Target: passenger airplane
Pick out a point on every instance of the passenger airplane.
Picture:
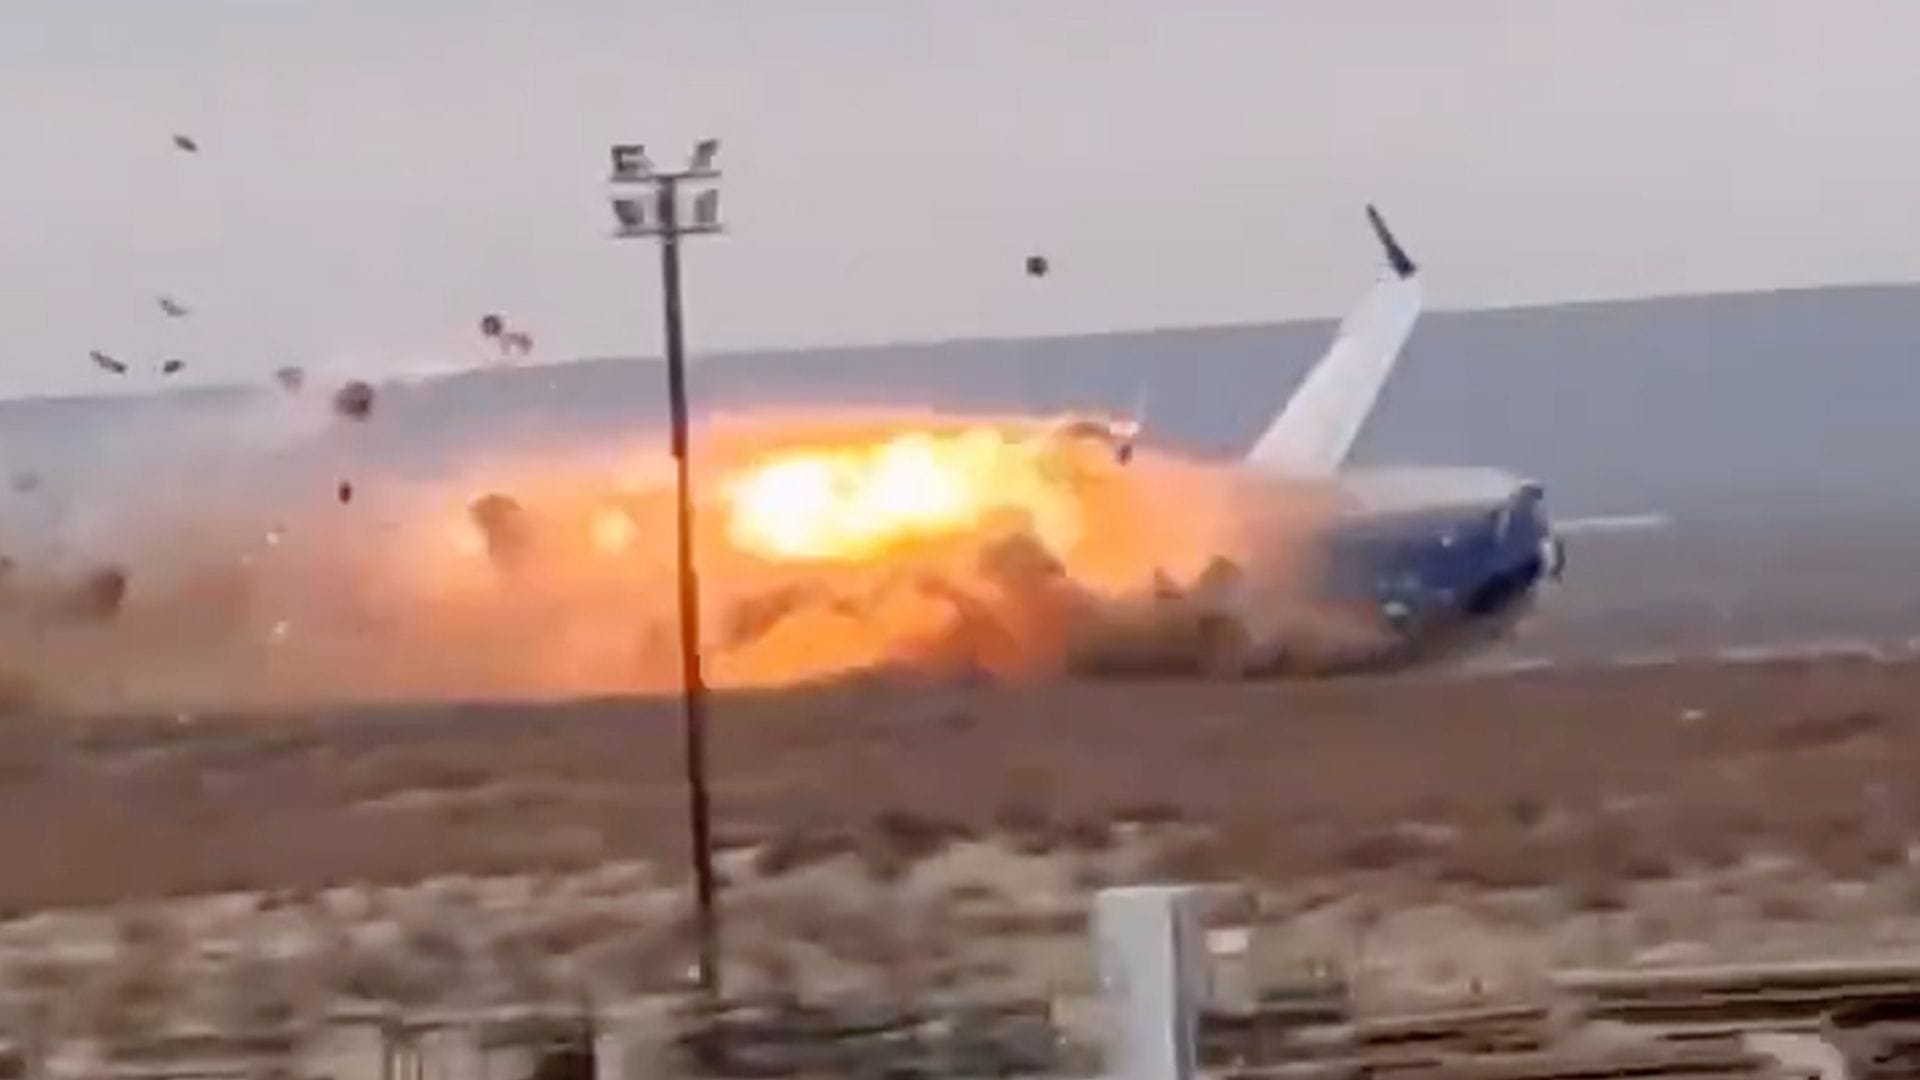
(1435, 559)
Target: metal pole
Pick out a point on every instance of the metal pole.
(693, 684)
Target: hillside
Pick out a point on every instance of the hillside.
(1789, 399)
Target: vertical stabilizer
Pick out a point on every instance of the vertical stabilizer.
(1317, 428)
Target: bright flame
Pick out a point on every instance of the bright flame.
(854, 503)
(1008, 546)
(612, 531)
(467, 540)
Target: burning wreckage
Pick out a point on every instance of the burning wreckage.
(827, 546)
(995, 548)
(949, 547)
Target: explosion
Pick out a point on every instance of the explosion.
(825, 546)
(859, 503)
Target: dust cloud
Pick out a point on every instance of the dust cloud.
(193, 563)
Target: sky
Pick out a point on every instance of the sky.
(377, 174)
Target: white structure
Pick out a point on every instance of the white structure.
(1152, 962)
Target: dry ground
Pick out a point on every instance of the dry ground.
(1590, 778)
(1434, 837)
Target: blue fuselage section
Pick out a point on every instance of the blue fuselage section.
(1440, 577)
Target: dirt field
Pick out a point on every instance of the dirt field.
(1433, 838)
(1585, 778)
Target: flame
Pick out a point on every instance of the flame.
(612, 531)
(825, 545)
(466, 540)
(862, 502)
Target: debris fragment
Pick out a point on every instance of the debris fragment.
(187, 143)
(344, 492)
(107, 363)
(174, 309)
(511, 342)
(354, 400)
(504, 524)
(99, 597)
(291, 378)
(172, 367)
(1037, 266)
(25, 481)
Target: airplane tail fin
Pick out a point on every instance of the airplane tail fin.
(1317, 428)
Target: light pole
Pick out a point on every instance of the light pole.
(657, 214)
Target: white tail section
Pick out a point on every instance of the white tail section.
(1317, 428)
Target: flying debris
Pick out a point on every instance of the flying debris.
(354, 400)
(1121, 433)
(107, 363)
(174, 309)
(1037, 266)
(291, 379)
(25, 482)
(172, 367)
(1127, 432)
(511, 342)
(186, 142)
(505, 526)
(344, 492)
(97, 598)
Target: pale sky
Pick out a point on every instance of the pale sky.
(376, 174)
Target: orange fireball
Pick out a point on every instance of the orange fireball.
(860, 502)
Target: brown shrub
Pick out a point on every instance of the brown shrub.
(1786, 901)
(1823, 730)
(1084, 834)
(1149, 813)
(258, 992)
(1498, 856)
(1847, 849)
(1188, 855)
(913, 836)
(1022, 816)
(1614, 847)
(1387, 848)
(800, 846)
(1596, 890)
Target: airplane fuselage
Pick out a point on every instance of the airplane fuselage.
(1414, 566)
(1442, 559)
(1418, 562)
